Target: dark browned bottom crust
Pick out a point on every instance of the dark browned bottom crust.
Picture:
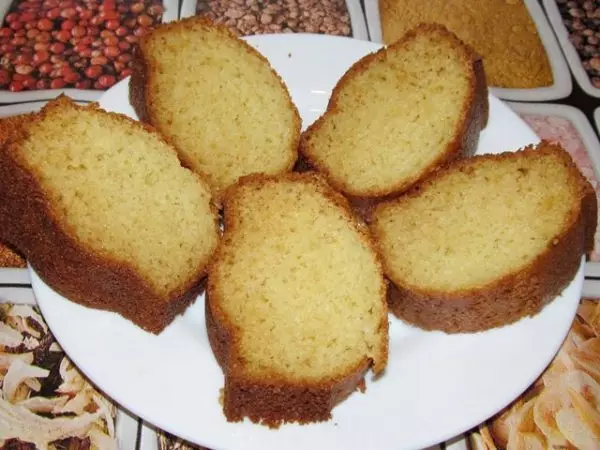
(137, 86)
(274, 402)
(102, 288)
(509, 299)
(28, 224)
(149, 313)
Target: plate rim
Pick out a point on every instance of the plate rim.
(373, 46)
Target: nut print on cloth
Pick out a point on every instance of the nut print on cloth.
(582, 20)
(247, 17)
(45, 403)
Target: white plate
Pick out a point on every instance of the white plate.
(357, 20)
(562, 85)
(435, 387)
(571, 54)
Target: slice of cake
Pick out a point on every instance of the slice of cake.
(102, 209)
(398, 114)
(488, 240)
(11, 124)
(296, 308)
(217, 99)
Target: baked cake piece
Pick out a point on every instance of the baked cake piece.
(296, 302)
(10, 125)
(102, 209)
(501, 31)
(217, 99)
(488, 240)
(398, 114)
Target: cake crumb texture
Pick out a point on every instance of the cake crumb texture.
(501, 31)
(487, 240)
(101, 207)
(296, 308)
(399, 113)
(217, 99)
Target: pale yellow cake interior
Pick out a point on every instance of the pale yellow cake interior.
(300, 285)
(395, 118)
(222, 106)
(123, 193)
(472, 227)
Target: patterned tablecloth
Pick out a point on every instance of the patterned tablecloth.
(47, 46)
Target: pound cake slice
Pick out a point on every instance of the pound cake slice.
(398, 114)
(217, 99)
(10, 125)
(102, 209)
(487, 240)
(296, 308)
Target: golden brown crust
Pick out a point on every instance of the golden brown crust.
(137, 85)
(504, 302)
(513, 296)
(589, 206)
(12, 124)
(465, 140)
(9, 126)
(28, 223)
(141, 97)
(273, 400)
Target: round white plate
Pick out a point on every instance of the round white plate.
(435, 387)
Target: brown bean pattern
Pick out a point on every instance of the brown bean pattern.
(582, 20)
(279, 16)
(83, 44)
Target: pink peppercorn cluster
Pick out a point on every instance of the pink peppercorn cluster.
(82, 44)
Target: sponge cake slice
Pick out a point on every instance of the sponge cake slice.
(296, 309)
(488, 240)
(217, 99)
(400, 113)
(101, 207)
